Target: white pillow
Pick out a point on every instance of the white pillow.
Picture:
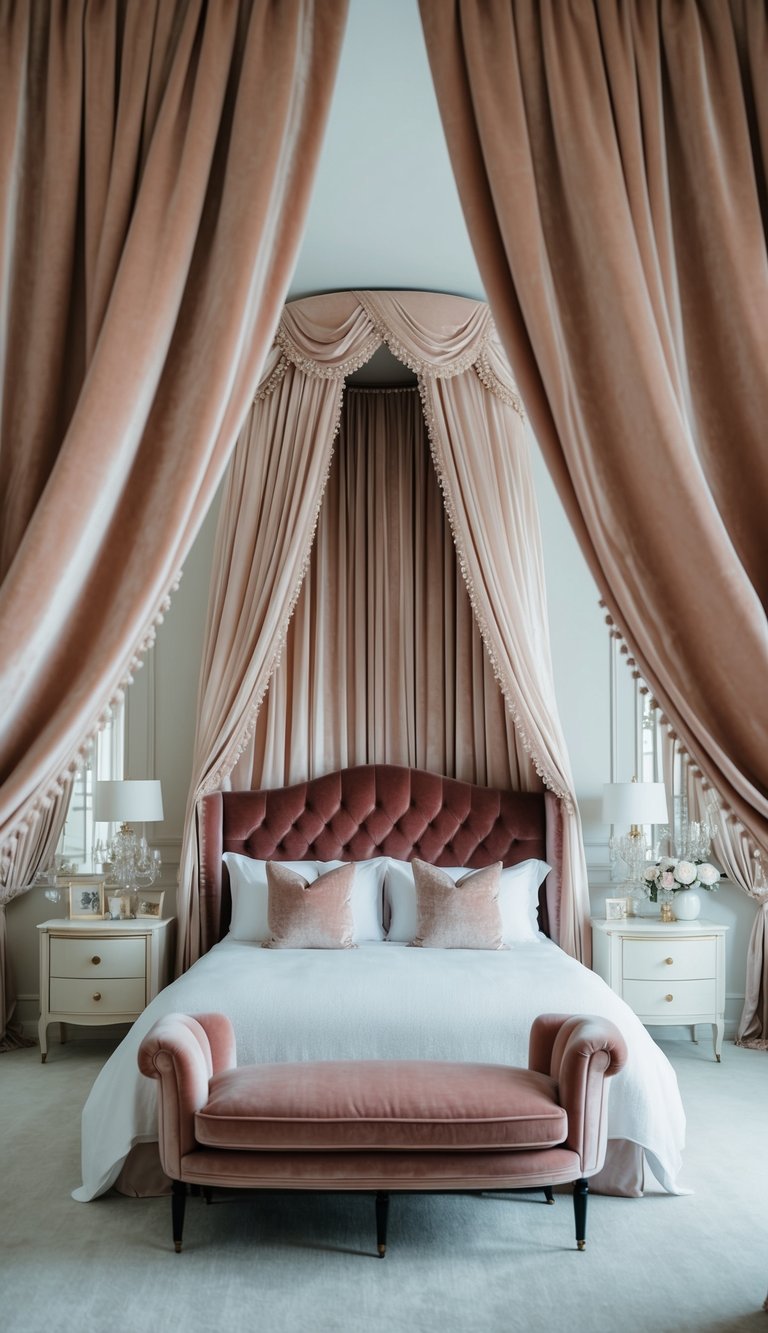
(367, 897)
(518, 900)
(250, 895)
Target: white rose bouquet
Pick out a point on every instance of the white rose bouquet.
(669, 873)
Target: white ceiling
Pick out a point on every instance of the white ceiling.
(385, 211)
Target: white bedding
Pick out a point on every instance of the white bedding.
(385, 1000)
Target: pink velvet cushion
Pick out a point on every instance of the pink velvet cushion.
(372, 1104)
(461, 915)
(315, 915)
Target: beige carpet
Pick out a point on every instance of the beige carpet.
(455, 1264)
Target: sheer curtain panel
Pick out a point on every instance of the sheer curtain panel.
(611, 161)
(156, 161)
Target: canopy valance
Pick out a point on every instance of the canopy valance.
(436, 336)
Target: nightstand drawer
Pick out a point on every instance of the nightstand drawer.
(125, 995)
(671, 960)
(675, 997)
(98, 958)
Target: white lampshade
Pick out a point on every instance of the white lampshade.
(626, 803)
(128, 802)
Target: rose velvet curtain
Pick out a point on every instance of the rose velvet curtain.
(265, 536)
(611, 161)
(156, 162)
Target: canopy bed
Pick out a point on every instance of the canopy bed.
(328, 766)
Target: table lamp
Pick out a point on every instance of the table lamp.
(631, 806)
(129, 860)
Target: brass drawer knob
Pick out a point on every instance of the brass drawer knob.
(96, 960)
(669, 997)
(97, 996)
(666, 960)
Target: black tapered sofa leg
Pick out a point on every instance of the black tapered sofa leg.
(549, 1194)
(382, 1213)
(580, 1196)
(178, 1202)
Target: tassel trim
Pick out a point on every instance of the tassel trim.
(537, 760)
(34, 809)
(316, 369)
(630, 661)
(476, 358)
(415, 363)
(243, 735)
(490, 380)
(271, 383)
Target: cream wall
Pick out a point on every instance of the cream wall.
(595, 694)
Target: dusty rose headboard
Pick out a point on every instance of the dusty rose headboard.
(371, 810)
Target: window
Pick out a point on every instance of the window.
(76, 842)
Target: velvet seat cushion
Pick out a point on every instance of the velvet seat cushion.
(381, 1104)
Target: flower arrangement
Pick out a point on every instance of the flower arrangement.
(674, 875)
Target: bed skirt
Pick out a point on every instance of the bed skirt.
(623, 1173)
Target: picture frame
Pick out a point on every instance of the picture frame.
(149, 903)
(86, 897)
(615, 909)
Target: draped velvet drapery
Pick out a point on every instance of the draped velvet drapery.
(475, 423)
(611, 162)
(156, 162)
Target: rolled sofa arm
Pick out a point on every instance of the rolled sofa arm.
(183, 1053)
(581, 1052)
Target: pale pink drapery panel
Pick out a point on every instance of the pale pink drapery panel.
(489, 494)
(326, 338)
(611, 164)
(269, 510)
(156, 162)
(383, 662)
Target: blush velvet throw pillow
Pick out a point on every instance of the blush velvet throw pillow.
(460, 915)
(310, 915)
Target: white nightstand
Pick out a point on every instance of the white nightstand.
(97, 972)
(668, 973)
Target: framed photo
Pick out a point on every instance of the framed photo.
(615, 909)
(86, 898)
(149, 902)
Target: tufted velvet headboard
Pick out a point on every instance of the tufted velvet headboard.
(356, 813)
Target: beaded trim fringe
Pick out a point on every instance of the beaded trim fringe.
(476, 358)
(693, 768)
(243, 736)
(36, 806)
(538, 761)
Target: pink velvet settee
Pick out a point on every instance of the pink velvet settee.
(382, 1125)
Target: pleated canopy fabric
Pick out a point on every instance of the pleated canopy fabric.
(269, 514)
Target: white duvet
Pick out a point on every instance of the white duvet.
(385, 1001)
